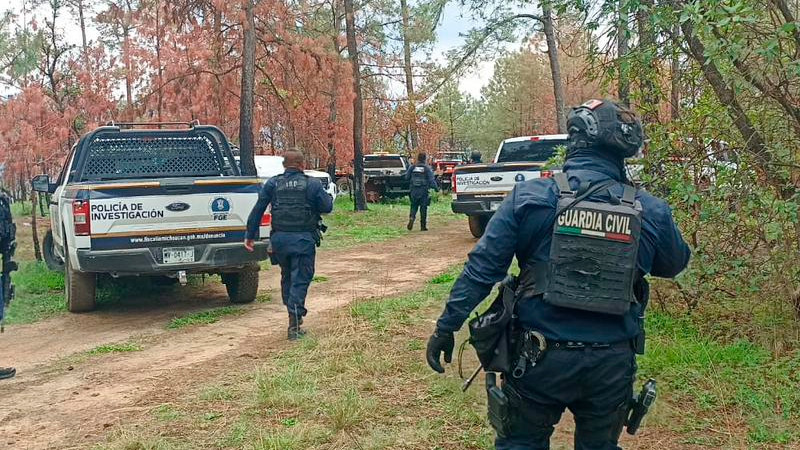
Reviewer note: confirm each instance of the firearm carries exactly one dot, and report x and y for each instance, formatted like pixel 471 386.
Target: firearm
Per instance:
pixel 321 228
pixel 640 406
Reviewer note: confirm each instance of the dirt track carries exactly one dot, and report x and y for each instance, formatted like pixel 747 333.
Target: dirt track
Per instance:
pixel 61 401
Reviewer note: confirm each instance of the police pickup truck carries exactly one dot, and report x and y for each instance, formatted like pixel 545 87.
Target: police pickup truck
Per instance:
pixel 153 201
pixel 385 176
pixel 479 189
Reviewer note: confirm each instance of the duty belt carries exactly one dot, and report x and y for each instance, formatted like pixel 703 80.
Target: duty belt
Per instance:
pixel 576 345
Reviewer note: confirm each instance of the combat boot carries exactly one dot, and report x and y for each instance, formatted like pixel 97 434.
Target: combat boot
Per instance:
pixel 294 331
pixel 423 227
pixel 410 225
pixel 7 372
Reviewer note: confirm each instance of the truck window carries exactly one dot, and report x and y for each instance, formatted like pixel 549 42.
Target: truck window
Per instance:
pixel 529 151
pixel 113 157
pixel 382 162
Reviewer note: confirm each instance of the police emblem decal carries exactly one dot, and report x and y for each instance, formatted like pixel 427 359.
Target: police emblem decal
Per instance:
pixel 220 208
pixel 519 177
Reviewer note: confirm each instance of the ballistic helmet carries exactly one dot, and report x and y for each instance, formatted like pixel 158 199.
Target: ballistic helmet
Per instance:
pixel 606 124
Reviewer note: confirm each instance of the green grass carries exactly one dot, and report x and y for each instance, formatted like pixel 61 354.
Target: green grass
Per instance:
pixel 738 377
pixel 362 383
pixel 115 348
pixel 383 221
pixel 319 279
pixel 39 294
pixel 203 317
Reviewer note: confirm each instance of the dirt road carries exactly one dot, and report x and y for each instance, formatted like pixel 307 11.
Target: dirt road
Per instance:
pixel 61 399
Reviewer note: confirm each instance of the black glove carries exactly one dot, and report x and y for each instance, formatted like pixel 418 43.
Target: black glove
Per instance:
pixel 440 341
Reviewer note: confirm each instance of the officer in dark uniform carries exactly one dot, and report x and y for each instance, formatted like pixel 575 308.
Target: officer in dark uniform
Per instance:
pixel 297 202
pixel 581 286
pixel 7 265
pixel 475 157
pixel 421 180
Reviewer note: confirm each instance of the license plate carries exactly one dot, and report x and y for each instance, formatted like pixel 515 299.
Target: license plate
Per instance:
pixel 495 205
pixel 177 255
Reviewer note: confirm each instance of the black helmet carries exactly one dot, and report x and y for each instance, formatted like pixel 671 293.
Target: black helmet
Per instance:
pixel 604 123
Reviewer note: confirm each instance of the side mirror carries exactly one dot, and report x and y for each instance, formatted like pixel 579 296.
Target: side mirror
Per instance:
pixel 41 183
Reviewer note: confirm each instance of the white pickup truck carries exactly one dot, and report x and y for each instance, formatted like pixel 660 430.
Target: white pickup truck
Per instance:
pixel 163 202
pixel 479 189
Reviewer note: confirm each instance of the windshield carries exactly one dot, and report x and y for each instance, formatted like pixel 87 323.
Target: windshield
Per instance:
pixel 529 151
pixel 450 157
pixel 383 162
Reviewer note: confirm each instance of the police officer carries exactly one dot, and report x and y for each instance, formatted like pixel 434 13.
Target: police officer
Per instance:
pixel 7 265
pixel 421 180
pixel 297 202
pixel 475 157
pixel 588 363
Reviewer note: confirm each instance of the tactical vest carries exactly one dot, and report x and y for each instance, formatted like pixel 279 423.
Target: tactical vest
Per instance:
pixel 7 227
pixel 593 255
pixel 290 208
pixel 419 179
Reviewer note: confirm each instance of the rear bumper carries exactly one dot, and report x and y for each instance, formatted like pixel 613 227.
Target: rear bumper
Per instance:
pixel 209 258
pixel 476 207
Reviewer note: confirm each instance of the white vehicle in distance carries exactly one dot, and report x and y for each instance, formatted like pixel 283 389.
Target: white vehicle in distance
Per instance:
pixel 268 166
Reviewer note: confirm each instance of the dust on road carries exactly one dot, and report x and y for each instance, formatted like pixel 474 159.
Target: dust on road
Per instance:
pixel 60 401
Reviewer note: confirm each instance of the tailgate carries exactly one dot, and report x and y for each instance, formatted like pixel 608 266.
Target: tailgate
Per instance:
pixel 494 179
pixel 177 211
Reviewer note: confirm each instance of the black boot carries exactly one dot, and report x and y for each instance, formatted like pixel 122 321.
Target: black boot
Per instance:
pixel 7 372
pixel 423 226
pixel 294 331
pixel 410 224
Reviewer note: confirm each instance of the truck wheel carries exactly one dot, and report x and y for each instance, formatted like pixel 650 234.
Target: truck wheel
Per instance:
pixel 53 261
pixel 79 288
pixel 343 184
pixel 242 287
pixel 477 225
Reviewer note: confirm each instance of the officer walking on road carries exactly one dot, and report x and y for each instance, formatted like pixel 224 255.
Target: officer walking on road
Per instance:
pixel 421 180
pixel 297 202
pixel 584 241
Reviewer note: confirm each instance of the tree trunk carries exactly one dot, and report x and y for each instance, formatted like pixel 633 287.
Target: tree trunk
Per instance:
pixel 82 21
pixel 675 76
pixel 158 61
pixel 332 115
pixel 360 199
pixel 647 48
pixel 126 50
pixel 555 67
pixel 37 249
pixel 623 85
pixel 246 140
pixel 409 71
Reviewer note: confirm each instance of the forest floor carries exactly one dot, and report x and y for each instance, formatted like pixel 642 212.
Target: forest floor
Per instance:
pixel 179 368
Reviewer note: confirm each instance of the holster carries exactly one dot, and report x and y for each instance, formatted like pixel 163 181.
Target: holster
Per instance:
pixel 492 333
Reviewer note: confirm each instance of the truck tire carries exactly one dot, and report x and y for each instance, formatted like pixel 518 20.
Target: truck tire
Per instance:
pixel 343 183
pixel 477 225
pixel 242 287
pixel 79 289
pixel 53 261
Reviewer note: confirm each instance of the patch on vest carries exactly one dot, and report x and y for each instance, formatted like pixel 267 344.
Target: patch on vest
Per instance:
pixel 419 169
pixel 594 223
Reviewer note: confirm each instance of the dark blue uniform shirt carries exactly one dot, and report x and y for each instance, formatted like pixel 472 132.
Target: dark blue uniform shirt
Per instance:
pixel 320 201
pixel 428 175
pixel 522 226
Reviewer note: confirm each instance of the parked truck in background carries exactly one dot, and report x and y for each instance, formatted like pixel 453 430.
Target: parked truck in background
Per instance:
pixel 443 165
pixel 479 189
pixel 153 201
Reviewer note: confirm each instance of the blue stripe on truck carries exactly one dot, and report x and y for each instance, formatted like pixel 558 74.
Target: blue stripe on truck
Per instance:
pixel 167 240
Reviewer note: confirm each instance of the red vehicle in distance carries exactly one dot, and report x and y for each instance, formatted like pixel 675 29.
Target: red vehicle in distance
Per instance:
pixel 443 164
